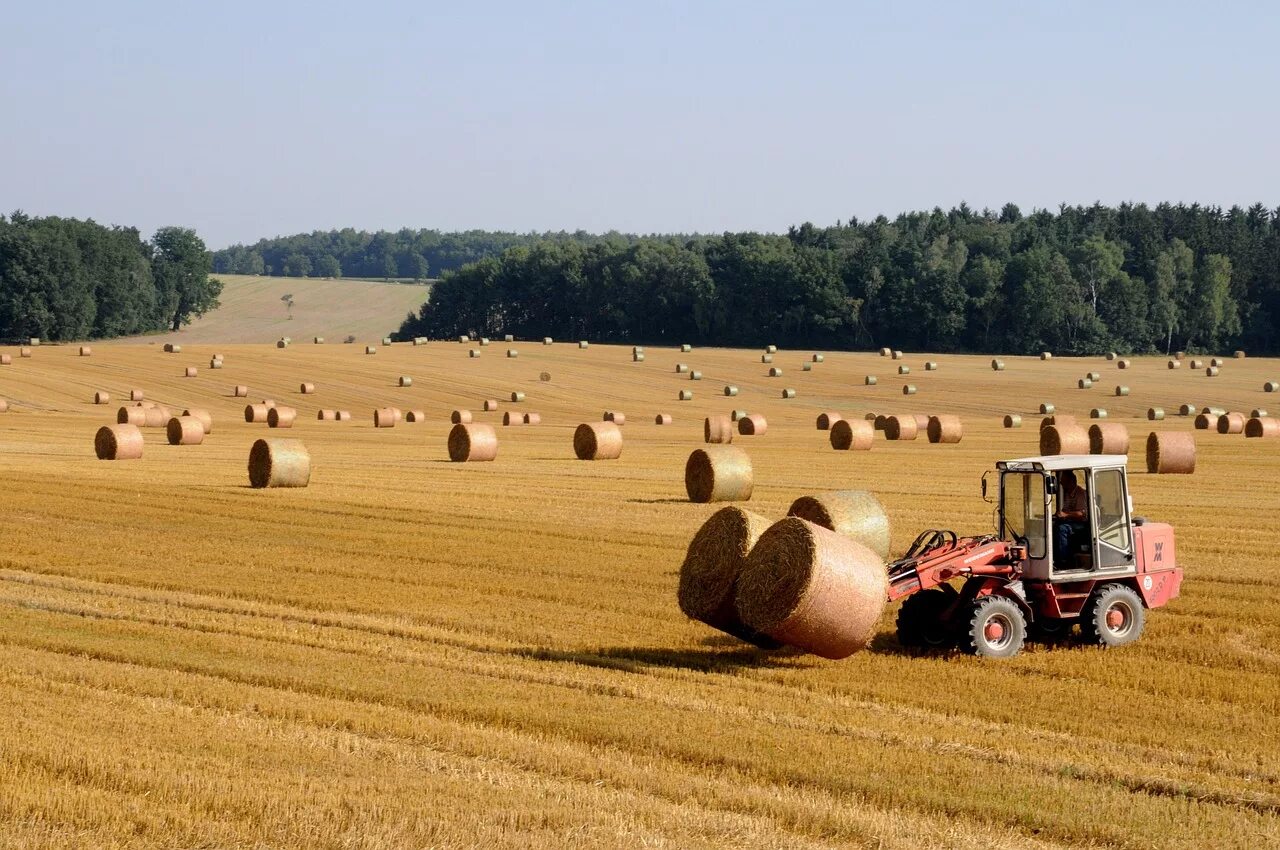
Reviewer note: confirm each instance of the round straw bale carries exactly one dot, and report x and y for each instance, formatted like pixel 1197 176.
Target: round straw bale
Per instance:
pixel 1098 413
pixel 168 347
pixel 615 417
pixel 344 415
pixel 306 389
pixel 325 415
pixel 878 421
pixel 282 344
pixel 484 340
pixel 1122 364
pixel 24 351
pixel 1231 423
pixel 789 393
pixel 885 352
pixel 1108 438
pixel 1171 453
pixel 1112 355
pixel 369 349
pixel 384 417
pixel 997 365
pixel 185 431
pixel 405 381
pixel 118 442
pixel 269 402
pixel 772 349
pixel 1155 414
pixel 709 575
pixel 1094 376
pixel 753 424
pixel 922 422
pixel 386 340
pixel 215 364
pixel 775 372
pixel 1262 426
pixel 766 358
pixel 897 355
pixel 718 474
pixel 597 441
pixel 945 429
pixel 1216 362
pixel 415 416
pixel 1239 355
pixel 686 348
pixel 662 419
pixel 512 417
pixel 279 463
pixel 136 395
pixel 730 390
pixel 717 429
pixel 4 405
pixel 931 365
pixel 900 428
pixel 85 351
pixel 1211 372
pixel 681 368
pixel 472 443
pixel 511 352
pixel 827 419
pixel 1271 387
pixel 869 380
pixel 460 417
pixel 473 353
pixel 1205 421
pixel 533 419
pixel 281 417
pixel 1012 420
pixel 546 340
pixel 1258 413
pixel 1197 364
pixel 1122 391
pixel 517 396
pixel 319 340
pixel 1064 440
pixel 464 338
pixel 812 588
pixel 637 349
pixel 695 375
pixel 508 338
pixel 908 389
pixel 817 358
pixel 686 395
pixel 1179 354
pixel 735 415
pixel 101 398
pixel 155 417
pixel 582 343
pixel 240 391
pixel 852 435
pixel 201 416
pixel 136 416
pixel 1047 409
pixel 1175 364
pixel 490 405
pixel 544 377
pixel 1187 410
pixel 637 358
pixel 1213 411
pixel 856 514
pixel 1046 355
pixel 904 370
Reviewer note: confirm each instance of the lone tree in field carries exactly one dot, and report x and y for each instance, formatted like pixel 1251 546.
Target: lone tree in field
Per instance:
pixel 288 302
pixel 180 266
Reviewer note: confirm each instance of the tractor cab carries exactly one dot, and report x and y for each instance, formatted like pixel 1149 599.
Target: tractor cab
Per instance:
pixel 1073 514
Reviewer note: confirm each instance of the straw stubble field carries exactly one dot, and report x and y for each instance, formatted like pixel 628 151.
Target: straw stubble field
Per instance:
pixel 414 653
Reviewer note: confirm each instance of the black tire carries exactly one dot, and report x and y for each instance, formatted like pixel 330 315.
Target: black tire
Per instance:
pixel 997 628
pixel 920 620
pixel 1114 616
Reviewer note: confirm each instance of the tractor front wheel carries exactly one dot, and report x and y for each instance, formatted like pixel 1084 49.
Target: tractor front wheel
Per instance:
pixel 997 628
pixel 921 619
pixel 1114 616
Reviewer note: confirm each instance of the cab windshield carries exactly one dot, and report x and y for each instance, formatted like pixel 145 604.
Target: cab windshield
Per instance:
pixel 1022 510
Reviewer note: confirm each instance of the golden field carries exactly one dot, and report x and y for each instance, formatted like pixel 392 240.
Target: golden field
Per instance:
pixel 414 653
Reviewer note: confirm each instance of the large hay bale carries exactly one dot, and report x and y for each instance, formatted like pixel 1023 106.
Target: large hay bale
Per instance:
pixel 135 416
pixel 1258 413
pixel 544 377
pixel 202 416
pixel 517 396
pixel 319 340
pixel 384 417
pixel 306 389
pixel 897 355
pixel 772 349
pixel 931 365
pixel 484 340
pixel 533 419
pixel 1187 410
pixel 546 340
pixel 155 417
pixel 766 358
pixel 136 395
pixel 597 441
pixel 1231 423
pixel 85 351
pixel 637 349
pixel 1108 438
pixel 1112 356
pixel 1012 420
pixel 1046 355
pixel 662 419
pixel 1216 362
pixel 508 338
pixel 945 429
pixel 1206 421
pixel 1064 440
pixel 637 358
pixel 215 363
pixel 6 360
pixel 1197 364
pixel 1213 411
pixel 281 417
pixel 239 391
pixel 885 352
pixel 369 349
pixel 812 588
pixel 730 390
pixel 869 380
pixel 775 372
pixel 1084 384
pixel 997 365
pixel 827 419
pixel 616 417
pixel 708 577
pixel 852 435
pixel 1122 364
pixel 279 463
pixel 280 343
pixel 789 392
pixel 695 375
pixel 1171 453
pixel 118 442
pixel 472 443
pixel 1121 391
pixel 473 353
pixel 717 429
pixel 415 416
pixel 682 368
pixel 1239 355
pixel 856 514
pixel 344 415
pixel 904 370
pixel 101 398
pixel 909 389
pixel 326 415
pixel 753 424
pixel 686 348
pixel 1271 387
pixel 818 358
pixel 405 381
pixel 1047 409
pixel 686 395
pixel 24 351
pixel 512 417
pixel 1155 414
pixel 185 431
pixel 718 474
pixel 900 427
pixel 1211 372
pixel 583 344
pixel 1262 426
pixel 1175 364
pixel 490 405
pixel 512 353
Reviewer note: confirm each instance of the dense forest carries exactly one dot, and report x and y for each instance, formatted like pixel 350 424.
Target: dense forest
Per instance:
pixel 406 254
pixel 1082 280
pixel 64 279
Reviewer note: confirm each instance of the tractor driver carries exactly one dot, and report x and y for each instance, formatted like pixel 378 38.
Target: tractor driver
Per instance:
pixel 1070 518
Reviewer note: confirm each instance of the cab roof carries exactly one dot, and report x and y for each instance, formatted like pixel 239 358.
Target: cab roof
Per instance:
pixel 1053 463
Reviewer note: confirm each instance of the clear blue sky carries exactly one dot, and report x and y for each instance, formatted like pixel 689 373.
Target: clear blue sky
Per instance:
pixel 246 120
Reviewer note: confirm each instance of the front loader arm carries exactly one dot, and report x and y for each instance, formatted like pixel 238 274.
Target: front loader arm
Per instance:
pixel 966 556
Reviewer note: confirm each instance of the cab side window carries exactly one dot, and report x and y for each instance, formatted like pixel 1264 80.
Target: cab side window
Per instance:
pixel 1109 504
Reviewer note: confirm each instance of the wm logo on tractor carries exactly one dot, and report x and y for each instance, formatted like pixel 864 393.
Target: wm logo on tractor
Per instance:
pixel 1159 556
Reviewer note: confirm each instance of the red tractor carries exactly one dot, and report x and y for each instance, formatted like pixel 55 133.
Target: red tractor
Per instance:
pixel 1068 551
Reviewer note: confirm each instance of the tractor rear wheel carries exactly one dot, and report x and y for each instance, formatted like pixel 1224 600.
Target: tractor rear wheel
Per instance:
pixel 921 619
pixel 997 628
pixel 1113 616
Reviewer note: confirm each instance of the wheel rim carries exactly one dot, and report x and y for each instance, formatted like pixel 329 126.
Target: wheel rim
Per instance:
pixel 1119 618
pixel 998 631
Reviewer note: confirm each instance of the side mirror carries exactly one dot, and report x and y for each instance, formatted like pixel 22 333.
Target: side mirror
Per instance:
pixel 1051 484
pixel 984 488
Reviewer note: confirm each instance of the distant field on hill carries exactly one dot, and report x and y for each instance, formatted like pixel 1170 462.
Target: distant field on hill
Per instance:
pixel 252 311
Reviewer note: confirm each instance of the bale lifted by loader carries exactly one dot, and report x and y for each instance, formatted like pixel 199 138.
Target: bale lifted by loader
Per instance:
pixel 1115 567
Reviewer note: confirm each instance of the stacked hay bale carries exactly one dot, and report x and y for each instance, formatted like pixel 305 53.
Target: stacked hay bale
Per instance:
pixel 856 514
pixel 712 565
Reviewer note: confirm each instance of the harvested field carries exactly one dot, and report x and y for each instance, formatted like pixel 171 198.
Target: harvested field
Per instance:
pixel 411 656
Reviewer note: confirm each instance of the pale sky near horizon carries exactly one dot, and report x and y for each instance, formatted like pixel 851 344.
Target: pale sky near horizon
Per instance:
pixel 249 120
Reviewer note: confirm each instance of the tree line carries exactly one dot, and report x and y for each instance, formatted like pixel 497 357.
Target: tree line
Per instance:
pixel 406 254
pixel 1083 280
pixel 66 279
